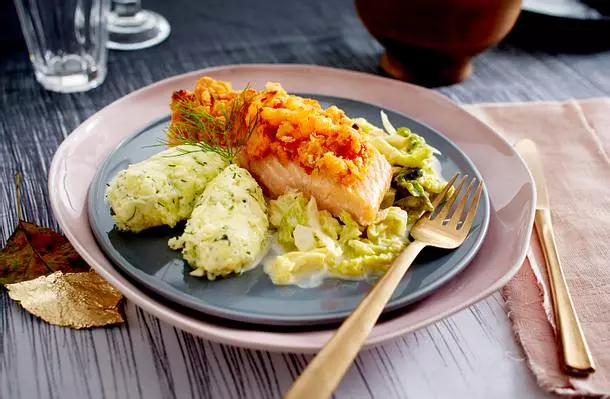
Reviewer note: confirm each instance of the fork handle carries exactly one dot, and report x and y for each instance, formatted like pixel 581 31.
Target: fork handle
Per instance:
pixel 576 353
pixel 324 372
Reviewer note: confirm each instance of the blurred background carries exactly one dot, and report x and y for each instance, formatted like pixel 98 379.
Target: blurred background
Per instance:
pixel 550 40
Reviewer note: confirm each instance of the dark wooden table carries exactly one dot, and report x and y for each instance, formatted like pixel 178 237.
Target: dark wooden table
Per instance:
pixel 471 354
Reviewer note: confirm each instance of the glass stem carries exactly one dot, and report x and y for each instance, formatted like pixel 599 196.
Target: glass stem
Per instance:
pixel 126 8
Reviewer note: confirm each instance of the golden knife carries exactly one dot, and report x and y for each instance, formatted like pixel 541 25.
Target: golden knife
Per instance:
pixel 576 354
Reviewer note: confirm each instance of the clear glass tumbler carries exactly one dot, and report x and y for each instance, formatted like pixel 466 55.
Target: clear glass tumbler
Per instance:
pixel 66 41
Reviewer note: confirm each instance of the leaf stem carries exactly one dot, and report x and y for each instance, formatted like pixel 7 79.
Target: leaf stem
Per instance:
pixel 18 195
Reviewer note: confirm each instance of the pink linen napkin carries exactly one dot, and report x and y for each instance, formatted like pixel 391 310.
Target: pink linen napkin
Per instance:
pixel 574 140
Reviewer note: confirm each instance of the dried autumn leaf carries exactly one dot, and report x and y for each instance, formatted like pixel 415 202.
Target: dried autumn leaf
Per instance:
pixel 77 300
pixel 33 251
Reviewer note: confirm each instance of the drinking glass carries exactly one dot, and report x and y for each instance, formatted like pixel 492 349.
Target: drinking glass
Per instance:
pixel 66 41
pixel 132 28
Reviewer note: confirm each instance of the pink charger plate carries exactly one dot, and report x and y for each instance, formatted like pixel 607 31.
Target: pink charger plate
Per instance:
pixel 512 194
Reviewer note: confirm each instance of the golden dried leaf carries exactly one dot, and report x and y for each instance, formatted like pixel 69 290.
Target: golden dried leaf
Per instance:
pixel 77 300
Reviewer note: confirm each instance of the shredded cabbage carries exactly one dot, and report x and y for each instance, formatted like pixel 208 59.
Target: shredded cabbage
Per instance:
pixel 288 268
pixel 409 151
pixel 286 213
pixel 350 229
pixel 321 244
pixel 329 224
pixel 385 121
pixel 416 177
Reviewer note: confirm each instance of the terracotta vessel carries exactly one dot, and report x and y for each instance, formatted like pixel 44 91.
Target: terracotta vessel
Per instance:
pixel 432 42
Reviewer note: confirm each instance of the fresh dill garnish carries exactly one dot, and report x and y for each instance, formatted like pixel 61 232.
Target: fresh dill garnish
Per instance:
pixel 225 135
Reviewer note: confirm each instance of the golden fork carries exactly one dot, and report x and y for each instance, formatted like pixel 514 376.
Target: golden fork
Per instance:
pixel 437 229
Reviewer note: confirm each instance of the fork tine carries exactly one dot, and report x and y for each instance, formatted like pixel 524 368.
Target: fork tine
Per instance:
pixel 441 196
pixel 442 214
pixel 472 211
pixel 459 210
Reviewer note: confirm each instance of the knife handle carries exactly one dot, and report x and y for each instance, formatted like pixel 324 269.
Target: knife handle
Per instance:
pixel 576 354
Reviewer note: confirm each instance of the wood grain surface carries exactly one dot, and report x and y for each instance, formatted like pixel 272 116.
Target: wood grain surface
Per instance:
pixel 471 354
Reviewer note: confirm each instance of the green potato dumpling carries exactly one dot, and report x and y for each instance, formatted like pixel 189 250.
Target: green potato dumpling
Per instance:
pixel 228 227
pixel 163 189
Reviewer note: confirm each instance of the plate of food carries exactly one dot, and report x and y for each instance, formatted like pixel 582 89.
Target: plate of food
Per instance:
pixel 269 207
pixel 95 148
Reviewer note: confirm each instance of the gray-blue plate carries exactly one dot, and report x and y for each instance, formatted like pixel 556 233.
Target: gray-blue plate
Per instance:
pixel 251 297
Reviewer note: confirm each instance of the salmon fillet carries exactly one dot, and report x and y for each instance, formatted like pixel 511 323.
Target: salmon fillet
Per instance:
pixel 361 200
pixel 294 144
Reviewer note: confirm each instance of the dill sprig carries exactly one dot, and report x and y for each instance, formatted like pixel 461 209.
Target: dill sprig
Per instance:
pixel 225 135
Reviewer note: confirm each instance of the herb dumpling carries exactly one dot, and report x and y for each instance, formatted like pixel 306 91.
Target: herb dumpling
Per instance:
pixel 228 228
pixel 163 189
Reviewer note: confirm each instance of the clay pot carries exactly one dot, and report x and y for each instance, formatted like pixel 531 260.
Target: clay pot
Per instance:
pixel 432 42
